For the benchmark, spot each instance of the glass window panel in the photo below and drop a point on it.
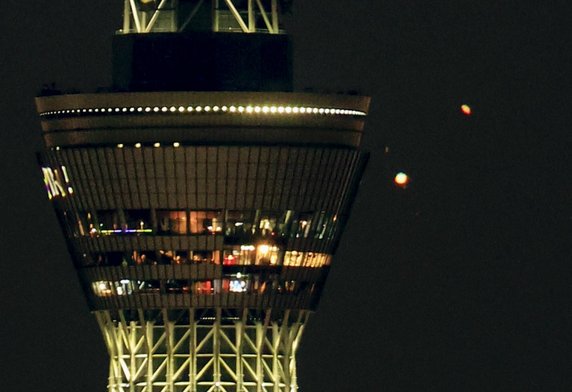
(206, 222)
(171, 222)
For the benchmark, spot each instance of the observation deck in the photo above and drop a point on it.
(202, 201)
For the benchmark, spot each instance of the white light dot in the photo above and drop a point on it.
(189, 108)
(120, 145)
(157, 145)
(164, 109)
(273, 109)
(123, 109)
(302, 110)
(131, 109)
(321, 111)
(216, 108)
(265, 109)
(137, 145)
(176, 144)
(156, 109)
(198, 108)
(257, 109)
(241, 109)
(181, 109)
(224, 108)
(207, 108)
(288, 109)
(232, 109)
(280, 109)
(249, 109)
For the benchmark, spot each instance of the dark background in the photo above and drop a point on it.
(458, 283)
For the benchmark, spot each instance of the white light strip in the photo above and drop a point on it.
(209, 109)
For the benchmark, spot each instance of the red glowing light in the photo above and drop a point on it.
(401, 179)
(466, 109)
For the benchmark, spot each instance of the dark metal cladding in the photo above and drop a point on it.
(202, 61)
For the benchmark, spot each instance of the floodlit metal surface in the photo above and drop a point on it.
(200, 353)
(139, 18)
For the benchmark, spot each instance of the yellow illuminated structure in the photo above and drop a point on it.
(202, 201)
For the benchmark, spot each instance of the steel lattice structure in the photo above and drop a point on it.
(201, 199)
(200, 352)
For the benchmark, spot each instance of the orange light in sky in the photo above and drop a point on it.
(401, 179)
(466, 109)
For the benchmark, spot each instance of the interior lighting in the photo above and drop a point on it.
(466, 110)
(263, 249)
(401, 179)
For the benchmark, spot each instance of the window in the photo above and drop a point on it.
(171, 222)
(206, 222)
(205, 256)
(302, 224)
(137, 221)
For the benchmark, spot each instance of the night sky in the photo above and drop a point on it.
(458, 283)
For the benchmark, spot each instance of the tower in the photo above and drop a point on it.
(201, 199)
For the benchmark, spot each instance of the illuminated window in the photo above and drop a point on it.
(203, 287)
(238, 227)
(205, 256)
(171, 222)
(306, 259)
(206, 222)
(137, 221)
(266, 254)
(302, 225)
(102, 288)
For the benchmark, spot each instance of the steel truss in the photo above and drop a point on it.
(201, 354)
(144, 16)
